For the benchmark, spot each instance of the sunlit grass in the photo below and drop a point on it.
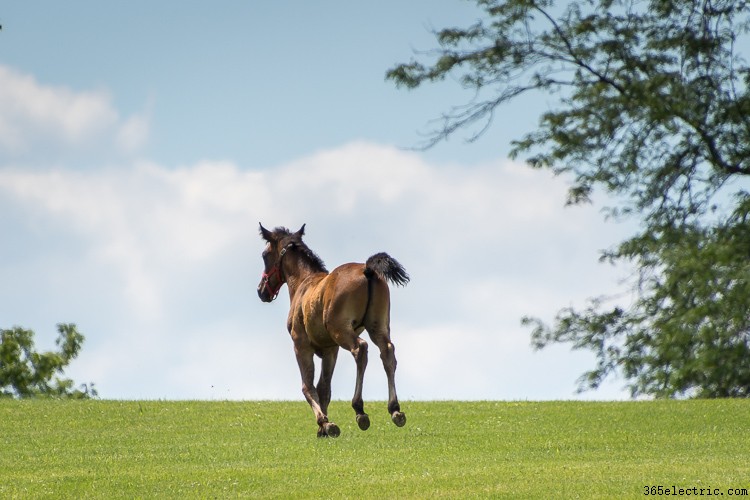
(157, 449)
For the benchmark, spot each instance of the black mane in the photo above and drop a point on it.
(284, 236)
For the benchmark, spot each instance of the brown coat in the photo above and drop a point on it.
(330, 310)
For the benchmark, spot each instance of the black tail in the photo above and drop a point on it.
(386, 268)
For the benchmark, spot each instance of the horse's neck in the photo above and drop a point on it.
(296, 273)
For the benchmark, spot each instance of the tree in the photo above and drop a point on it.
(26, 373)
(654, 110)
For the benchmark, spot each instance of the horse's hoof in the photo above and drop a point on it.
(329, 430)
(398, 418)
(332, 430)
(363, 421)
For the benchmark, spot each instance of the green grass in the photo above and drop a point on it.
(157, 449)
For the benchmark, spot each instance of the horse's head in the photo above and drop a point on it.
(279, 241)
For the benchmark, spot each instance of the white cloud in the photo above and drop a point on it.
(33, 115)
(172, 256)
(133, 133)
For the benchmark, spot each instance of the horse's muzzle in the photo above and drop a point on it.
(266, 291)
(263, 293)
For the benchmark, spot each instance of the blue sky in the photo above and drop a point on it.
(141, 143)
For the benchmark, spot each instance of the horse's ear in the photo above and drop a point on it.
(301, 231)
(265, 233)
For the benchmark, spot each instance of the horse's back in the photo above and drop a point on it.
(349, 295)
(342, 303)
(344, 288)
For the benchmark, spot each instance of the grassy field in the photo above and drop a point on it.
(193, 449)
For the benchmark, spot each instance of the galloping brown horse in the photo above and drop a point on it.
(330, 310)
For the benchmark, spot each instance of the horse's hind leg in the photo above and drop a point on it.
(360, 357)
(381, 337)
(349, 340)
(307, 370)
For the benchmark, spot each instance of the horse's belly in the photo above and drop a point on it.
(319, 337)
(316, 331)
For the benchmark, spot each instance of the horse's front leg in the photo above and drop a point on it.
(307, 370)
(328, 356)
